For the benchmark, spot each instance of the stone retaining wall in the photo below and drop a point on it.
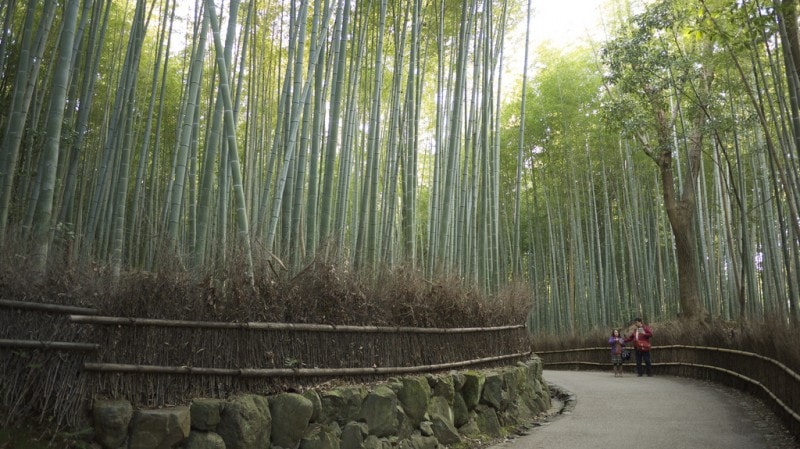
(419, 412)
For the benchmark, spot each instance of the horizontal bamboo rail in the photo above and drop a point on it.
(44, 307)
(565, 351)
(777, 400)
(703, 348)
(291, 372)
(48, 345)
(119, 321)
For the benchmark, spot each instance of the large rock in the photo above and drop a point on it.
(536, 365)
(373, 442)
(460, 410)
(444, 387)
(313, 396)
(418, 441)
(444, 431)
(160, 429)
(426, 428)
(379, 411)
(321, 437)
(204, 440)
(441, 416)
(246, 423)
(205, 413)
(493, 393)
(291, 414)
(353, 435)
(111, 421)
(542, 404)
(342, 405)
(487, 421)
(438, 406)
(470, 428)
(528, 395)
(413, 397)
(512, 383)
(458, 379)
(472, 389)
(405, 426)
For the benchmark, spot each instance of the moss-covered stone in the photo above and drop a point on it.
(470, 427)
(205, 413)
(414, 396)
(473, 388)
(291, 413)
(460, 410)
(111, 422)
(316, 402)
(204, 440)
(420, 412)
(442, 421)
(492, 393)
(419, 441)
(246, 422)
(321, 437)
(487, 421)
(379, 411)
(444, 387)
(458, 379)
(342, 405)
(511, 383)
(353, 435)
(160, 429)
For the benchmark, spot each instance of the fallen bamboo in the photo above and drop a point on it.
(121, 321)
(48, 345)
(290, 372)
(45, 307)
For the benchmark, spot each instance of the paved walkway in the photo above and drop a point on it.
(644, 412)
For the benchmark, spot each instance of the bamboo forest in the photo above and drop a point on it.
(652, 172)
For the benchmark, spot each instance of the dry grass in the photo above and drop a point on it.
(324, 292)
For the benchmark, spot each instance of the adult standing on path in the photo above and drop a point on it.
(640, 337)
(663, 412)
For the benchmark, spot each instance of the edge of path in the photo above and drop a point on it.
(564, 402)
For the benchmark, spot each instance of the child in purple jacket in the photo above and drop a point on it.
(616, 342)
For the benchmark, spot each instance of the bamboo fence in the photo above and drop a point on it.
(152, 362)
(762, 376)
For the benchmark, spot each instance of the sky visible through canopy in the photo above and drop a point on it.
(560, 24)
(566, 22)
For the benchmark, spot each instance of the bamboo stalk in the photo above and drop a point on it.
(120, 321)
(288, 372)
(49, 345)
(44, 307)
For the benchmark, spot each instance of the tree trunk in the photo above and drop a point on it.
(680, 211)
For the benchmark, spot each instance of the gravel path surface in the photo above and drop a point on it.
(603, 411)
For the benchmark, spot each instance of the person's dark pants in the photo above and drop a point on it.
(643, 356)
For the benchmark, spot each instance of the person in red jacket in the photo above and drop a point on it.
(641, 344)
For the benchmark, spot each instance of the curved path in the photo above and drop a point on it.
(645, 412)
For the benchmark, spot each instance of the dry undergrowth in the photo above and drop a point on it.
(325, 292)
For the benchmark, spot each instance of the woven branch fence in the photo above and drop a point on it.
(762, 376)
(55, 359)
